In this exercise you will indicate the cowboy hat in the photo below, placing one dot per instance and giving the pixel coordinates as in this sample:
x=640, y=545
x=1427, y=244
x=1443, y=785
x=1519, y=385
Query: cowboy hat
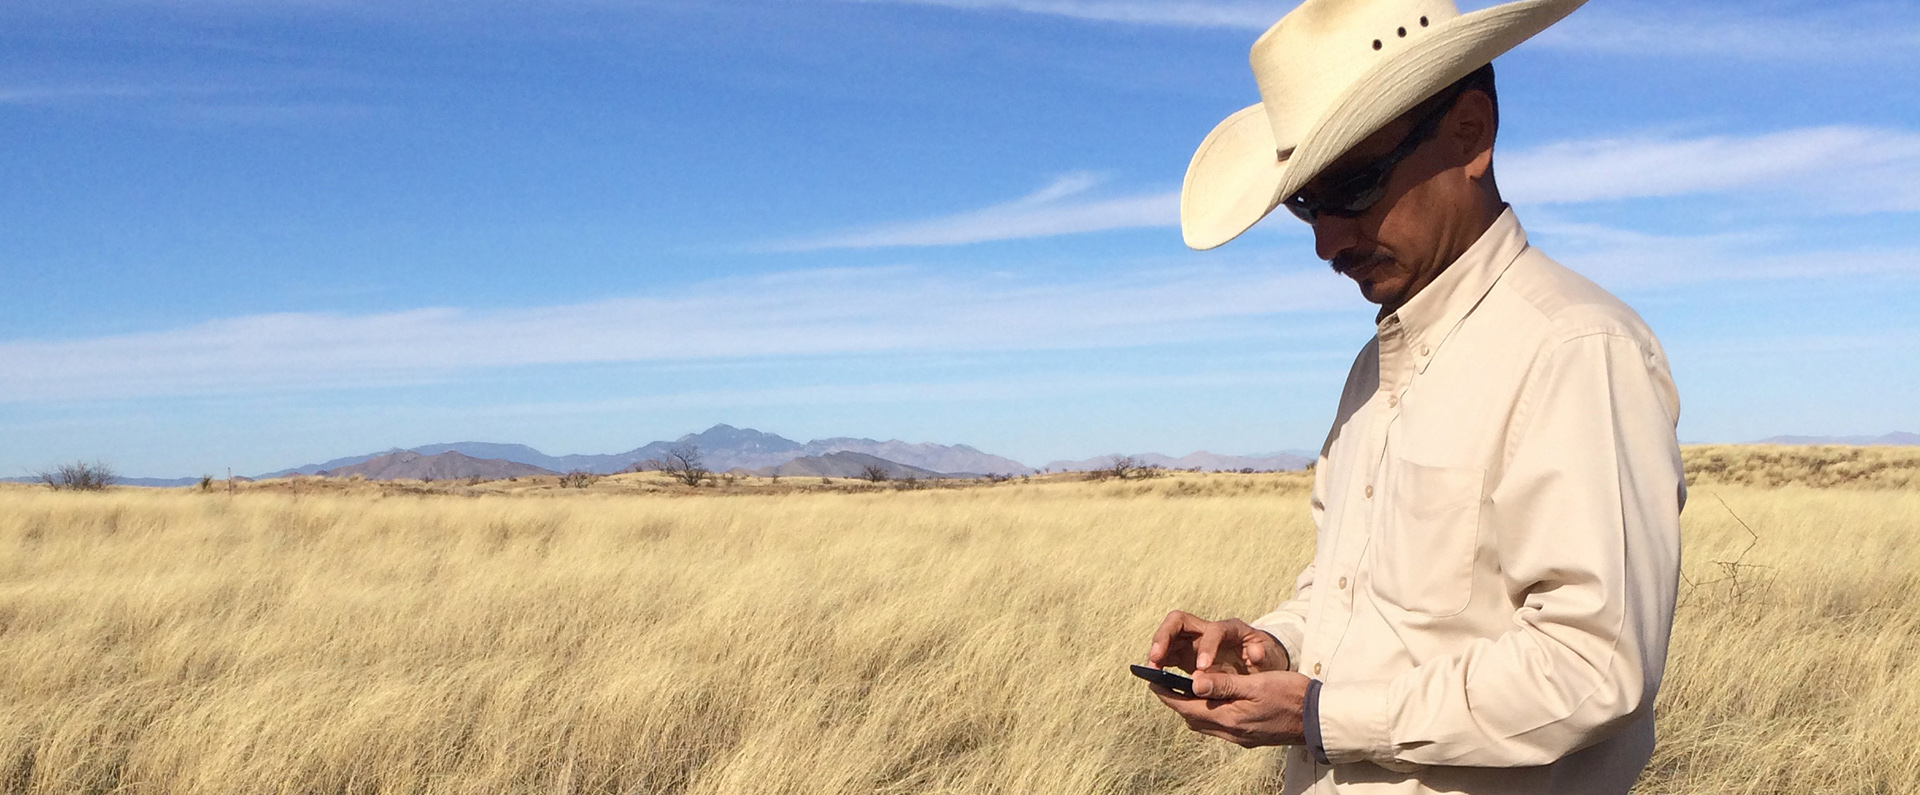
x=1331, y=73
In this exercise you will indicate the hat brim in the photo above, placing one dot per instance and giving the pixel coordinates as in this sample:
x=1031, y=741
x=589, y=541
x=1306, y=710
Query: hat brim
x=1232, y=180
x=1237, y=177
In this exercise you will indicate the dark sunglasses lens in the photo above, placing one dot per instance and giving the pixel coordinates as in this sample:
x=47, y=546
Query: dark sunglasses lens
x=1302, y=209
x=1361, y=202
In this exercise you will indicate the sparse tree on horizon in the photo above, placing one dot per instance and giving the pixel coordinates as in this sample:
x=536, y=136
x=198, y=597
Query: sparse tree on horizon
x=79, y=476
x=1125, y=467
x=683, y=463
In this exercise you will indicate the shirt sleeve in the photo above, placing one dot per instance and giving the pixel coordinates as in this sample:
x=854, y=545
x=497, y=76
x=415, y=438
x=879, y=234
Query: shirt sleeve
x=1586, y=519
x=1288, y=622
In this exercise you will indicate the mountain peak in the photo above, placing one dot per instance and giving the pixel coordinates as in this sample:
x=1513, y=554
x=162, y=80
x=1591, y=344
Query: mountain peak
x=727, y=437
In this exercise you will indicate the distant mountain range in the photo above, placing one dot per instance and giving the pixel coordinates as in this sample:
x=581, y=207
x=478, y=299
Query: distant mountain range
x=1204, y=461
x=724, y=448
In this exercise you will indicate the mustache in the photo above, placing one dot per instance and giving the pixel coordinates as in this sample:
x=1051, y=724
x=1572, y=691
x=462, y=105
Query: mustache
x=1349, y=261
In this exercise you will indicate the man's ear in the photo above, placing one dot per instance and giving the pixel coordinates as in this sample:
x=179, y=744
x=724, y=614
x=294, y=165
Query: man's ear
x=1469, y=131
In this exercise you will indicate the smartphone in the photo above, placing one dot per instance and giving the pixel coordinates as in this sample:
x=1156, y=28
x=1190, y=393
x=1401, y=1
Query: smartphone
x=1167, y=679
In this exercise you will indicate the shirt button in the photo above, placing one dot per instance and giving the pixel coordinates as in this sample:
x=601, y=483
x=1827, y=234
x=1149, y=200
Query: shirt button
x=1393, y=402
x=1343, y=583
x=1316, y=669
x=1369, y=492
x=1426, y=351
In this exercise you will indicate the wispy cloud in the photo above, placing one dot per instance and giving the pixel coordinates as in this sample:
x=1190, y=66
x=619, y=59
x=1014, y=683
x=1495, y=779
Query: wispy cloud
x=795, y=314
x=1248, y=15
x=1830, y=31
x=59, y=93
x=1826, y=169
x=219, y=104
x=1634, y=261
x=1851, y=32
x=1062, y=207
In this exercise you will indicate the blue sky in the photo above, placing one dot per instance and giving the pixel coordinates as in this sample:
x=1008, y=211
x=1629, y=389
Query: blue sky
x=260, y=234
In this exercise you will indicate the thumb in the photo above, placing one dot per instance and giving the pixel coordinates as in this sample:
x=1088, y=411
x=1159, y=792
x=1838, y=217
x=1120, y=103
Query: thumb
x=1217, y=686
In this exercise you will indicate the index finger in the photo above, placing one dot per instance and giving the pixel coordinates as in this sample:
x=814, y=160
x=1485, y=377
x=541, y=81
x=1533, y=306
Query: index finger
x=1172, y=642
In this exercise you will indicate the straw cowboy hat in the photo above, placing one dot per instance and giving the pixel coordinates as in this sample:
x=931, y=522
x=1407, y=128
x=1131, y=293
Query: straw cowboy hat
x=1331, y=73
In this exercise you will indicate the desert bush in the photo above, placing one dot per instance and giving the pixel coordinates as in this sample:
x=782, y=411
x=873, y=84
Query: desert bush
x=875, y=473
x=578, y=479
x=1126, y=467
x=78, y=476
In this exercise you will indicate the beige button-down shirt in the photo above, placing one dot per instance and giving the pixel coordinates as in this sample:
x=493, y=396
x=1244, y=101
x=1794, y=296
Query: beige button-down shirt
x=1498, y=550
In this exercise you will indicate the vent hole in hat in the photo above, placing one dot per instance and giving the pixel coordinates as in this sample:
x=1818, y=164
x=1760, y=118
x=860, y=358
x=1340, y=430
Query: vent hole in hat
x=1376, y=44
x=1423, y=22
x=1403, y=33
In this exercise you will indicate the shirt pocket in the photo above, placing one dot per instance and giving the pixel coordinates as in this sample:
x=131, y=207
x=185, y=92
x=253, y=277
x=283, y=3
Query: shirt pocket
x=1423, y=562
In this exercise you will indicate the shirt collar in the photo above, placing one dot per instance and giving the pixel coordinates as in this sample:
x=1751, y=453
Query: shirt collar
x=1431, y=315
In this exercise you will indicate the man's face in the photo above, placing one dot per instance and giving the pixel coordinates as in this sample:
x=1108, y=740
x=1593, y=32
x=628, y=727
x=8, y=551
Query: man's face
x=1421, y=225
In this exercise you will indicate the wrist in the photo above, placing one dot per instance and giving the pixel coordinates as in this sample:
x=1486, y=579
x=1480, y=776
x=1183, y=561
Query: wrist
x=1286, y=660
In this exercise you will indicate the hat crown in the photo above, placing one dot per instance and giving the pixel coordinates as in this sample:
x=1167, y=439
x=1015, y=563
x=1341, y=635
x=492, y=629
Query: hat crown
x=1307, y=59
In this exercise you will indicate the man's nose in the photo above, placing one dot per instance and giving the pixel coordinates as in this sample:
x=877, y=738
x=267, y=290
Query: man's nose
x=1333, y=235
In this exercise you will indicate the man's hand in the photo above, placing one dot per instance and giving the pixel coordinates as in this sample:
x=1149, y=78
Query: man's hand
x=1247, y=710
x=1196, y=644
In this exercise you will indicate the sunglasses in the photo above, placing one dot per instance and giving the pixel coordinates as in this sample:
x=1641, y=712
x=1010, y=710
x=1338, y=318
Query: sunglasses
x=1359, y=190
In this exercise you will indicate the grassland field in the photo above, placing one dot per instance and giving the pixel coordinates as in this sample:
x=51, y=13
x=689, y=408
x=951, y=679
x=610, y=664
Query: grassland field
x=313, y=636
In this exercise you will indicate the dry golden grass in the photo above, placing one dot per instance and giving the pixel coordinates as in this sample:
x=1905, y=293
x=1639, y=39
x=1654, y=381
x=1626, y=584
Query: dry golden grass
x=1818, y=466
x=352, y=639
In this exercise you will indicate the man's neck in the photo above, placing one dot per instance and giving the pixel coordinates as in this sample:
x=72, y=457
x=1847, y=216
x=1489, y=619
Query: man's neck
x=1462, y=236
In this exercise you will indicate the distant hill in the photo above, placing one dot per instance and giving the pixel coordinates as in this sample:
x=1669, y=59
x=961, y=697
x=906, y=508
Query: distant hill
x=1897, y=438
x=1204, y=461
x=844, y=465
x=957, y=458
x=315, y=469
x=409, y=465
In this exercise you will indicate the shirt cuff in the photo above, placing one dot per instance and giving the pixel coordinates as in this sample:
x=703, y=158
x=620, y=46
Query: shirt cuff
x=1310, y=718
x=1352, y=718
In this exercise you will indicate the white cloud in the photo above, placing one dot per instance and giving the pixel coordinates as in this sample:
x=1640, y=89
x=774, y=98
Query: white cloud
x=1632, y=261
x=1060, y=208
x=1825, y=31
x=1248, y=15
x=49, y=94
x=1819, y=169
x=1828, y=31
x=794, y=314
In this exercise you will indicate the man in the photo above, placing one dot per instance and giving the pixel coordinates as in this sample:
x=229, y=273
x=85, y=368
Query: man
x=1497, y=504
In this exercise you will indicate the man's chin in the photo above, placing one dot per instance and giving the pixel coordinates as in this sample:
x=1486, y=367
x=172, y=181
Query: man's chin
x=1378, y=291
x=1369, y=289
